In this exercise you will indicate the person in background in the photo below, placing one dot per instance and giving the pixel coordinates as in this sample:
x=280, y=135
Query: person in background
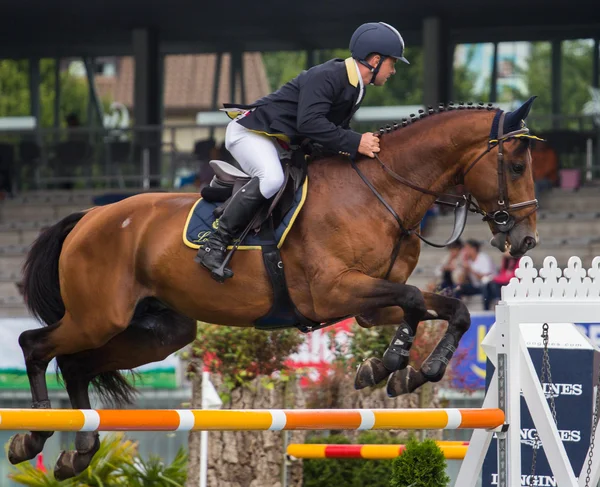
x=492, y=290
x=449, y=270
x=478, y=271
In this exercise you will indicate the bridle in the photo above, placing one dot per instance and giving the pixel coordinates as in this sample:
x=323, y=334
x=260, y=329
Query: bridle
x=502, y=218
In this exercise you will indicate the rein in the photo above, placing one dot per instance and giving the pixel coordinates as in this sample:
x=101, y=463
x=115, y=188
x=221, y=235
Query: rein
x=502, y=218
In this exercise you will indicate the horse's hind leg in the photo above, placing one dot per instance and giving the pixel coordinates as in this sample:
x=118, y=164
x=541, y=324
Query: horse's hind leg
x=38, y=351
x=86, y=443
x=433, y=369
x=39, y=347
x=150, y=338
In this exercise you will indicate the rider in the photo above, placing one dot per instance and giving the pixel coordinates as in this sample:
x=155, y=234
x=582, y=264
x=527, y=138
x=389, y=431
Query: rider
x=318, y=104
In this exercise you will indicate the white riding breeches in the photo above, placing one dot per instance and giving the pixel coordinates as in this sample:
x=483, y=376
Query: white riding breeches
x=258, y=156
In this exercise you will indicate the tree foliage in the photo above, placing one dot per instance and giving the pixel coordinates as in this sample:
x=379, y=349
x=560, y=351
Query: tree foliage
x=116, y=464
x=15, y=97
x=421, y=465
x=239, y=354
x=576, y=74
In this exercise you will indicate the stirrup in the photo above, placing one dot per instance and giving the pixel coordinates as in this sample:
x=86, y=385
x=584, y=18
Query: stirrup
x=222, y=273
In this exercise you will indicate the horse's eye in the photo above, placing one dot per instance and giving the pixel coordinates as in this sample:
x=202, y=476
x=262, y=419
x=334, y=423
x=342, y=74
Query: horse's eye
x=518, y=168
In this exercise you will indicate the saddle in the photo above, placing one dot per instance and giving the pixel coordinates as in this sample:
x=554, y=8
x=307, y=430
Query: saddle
x=226, y=182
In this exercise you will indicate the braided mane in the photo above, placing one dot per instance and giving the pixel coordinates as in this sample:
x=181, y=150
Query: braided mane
x=431, y=111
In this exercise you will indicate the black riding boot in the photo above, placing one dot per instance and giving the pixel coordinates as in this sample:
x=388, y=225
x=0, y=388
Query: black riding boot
x=234, y=220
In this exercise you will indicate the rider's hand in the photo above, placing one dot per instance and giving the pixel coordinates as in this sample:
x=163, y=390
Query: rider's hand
x=369, y=144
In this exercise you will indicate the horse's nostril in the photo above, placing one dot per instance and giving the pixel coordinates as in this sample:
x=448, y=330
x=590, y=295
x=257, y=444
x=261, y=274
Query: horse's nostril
x=529, y=243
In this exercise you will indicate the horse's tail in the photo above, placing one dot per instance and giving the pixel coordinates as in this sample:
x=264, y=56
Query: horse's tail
x=43, y=299
x=41, y=288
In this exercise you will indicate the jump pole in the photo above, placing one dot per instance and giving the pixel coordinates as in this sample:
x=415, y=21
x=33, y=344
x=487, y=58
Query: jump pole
x=246, y=420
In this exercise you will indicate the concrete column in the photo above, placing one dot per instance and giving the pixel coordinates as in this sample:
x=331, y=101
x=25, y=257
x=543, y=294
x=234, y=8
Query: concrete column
x=216, y=83
x=556, y=74
x=494, y=75
x=57, y=94
x=95, y=111
x=596, y=64
x=148, y=95
x=437, y=62
x=235, y=77
x=312, y=58
x=242, y=76
x=34, y=89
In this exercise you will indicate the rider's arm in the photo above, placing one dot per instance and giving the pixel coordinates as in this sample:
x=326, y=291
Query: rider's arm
x=317, y=92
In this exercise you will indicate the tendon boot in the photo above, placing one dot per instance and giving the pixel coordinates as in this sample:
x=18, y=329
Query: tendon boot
x=234, y=220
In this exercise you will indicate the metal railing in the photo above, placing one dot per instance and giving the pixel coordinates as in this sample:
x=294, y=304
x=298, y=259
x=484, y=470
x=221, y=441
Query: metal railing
x=141, y=157
x=160, y=156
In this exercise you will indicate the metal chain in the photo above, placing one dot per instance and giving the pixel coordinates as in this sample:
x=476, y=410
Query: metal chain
x=594, y=425
x=546, y=378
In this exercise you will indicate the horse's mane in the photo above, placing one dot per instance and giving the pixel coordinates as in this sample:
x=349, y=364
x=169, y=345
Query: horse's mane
x=442, y=108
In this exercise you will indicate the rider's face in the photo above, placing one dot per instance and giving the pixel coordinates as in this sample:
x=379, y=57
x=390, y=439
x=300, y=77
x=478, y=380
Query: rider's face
x=387, y=69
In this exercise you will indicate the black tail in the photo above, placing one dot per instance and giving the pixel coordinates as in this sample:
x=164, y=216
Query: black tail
x=41, y=290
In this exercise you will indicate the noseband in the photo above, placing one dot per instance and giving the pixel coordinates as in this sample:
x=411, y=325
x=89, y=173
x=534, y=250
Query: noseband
x=502, y=218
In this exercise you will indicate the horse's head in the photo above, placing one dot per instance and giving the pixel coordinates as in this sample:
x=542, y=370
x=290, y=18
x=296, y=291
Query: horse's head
x=502, y=182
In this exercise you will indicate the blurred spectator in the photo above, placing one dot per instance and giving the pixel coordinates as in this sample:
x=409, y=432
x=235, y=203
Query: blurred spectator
x=545, y=166
x=449, y=270
x=73, y=122
x=478, y=271
x=491, y=291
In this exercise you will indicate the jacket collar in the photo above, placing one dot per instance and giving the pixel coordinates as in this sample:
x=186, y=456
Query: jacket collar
x=352, y=73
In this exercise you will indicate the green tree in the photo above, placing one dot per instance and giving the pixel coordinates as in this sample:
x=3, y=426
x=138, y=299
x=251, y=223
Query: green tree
x=577, y=61
x=14, y=88
x=421, y=465
x=15, y=99
x=282, y=66
x=463, y=82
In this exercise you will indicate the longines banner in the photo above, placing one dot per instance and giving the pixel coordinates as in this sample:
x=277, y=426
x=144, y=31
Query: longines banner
x=158, y=375
x=572, y=367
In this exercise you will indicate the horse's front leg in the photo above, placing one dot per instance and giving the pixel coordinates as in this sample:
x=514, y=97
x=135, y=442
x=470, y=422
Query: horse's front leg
x=374, y=370
x=375, y=301
x=403, y=379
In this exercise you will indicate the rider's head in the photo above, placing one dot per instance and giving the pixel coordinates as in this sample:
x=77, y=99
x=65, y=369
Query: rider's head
x=378, y=46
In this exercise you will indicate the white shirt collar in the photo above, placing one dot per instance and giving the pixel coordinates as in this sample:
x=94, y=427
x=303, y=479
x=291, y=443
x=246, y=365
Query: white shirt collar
x=361, y=83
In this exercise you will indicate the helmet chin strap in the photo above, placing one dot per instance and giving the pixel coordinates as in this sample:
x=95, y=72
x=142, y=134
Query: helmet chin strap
x=374, y=70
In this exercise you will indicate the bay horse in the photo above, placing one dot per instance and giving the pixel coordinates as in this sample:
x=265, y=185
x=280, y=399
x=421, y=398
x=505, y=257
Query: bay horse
x=117, y=288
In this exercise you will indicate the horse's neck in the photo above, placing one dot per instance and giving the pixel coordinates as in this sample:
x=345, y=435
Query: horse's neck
x=431, y=158
x=429, y=155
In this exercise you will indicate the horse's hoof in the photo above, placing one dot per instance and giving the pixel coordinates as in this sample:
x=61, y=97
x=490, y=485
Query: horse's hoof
x=64, y=468
x=404, y=382
x=370, y=373
x=18, y=451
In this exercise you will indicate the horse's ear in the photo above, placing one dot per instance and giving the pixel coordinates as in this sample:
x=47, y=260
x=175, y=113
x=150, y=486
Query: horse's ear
x=516, y=120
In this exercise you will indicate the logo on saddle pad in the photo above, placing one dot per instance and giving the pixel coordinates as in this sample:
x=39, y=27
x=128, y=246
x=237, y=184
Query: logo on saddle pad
x=203, y=236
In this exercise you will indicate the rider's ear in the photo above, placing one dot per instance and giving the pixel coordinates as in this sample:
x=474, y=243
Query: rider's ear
x=373, y=59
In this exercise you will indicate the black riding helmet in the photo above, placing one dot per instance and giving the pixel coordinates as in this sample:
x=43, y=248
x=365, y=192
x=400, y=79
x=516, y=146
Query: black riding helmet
x=380, y=38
